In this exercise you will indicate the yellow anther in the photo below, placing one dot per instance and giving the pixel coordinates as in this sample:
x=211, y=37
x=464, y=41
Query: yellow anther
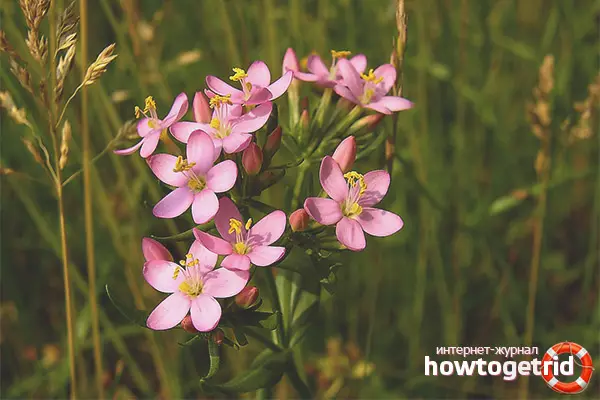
x=217, y=100
x=248, y=86
x=181, y=165
x=248, y=224
x=215, y=123
x=371, y=77
x=176, y=273
x=138, y=112
x=238, y=75
x=355, y=178
x=340, y=54
x=182, y=263
x=150, y=104
x=235, y=226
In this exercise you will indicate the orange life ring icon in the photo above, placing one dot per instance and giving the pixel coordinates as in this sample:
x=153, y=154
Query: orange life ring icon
x=586, y=363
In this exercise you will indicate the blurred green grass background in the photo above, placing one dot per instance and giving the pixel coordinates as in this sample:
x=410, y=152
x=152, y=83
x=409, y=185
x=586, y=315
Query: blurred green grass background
x=464, y=182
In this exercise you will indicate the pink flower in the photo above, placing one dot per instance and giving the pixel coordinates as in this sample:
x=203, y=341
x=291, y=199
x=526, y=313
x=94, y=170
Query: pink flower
x=151, y=128
x=194, y=286
x=228, y=128
x=329, y=77
x=244, y=245
x=350, y=207
x=195, y=178
x=370, y=90
x=256, y=85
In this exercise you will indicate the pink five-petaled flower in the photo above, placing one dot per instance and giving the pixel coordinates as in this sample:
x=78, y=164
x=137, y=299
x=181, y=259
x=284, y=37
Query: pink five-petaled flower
x=244, y=244
x=228, y=128
x=370, y=90
x=195, y=178
x=329, y=77
x=350, y=207
x=151, y=128
x=256, y=85
x=193, y=285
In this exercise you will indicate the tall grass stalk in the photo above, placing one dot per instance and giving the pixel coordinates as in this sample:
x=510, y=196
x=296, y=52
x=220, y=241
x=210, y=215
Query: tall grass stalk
x=87, y=202
x=397, y=60
x=61, y=208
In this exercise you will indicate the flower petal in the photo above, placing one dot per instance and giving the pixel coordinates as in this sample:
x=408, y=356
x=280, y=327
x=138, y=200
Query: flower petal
x=306, y=77
x=264, y=256
x=324, y=211
x=223, y=283
x=227, y=211
x=154, y=250
x=315, y=64
x=236, y=142
x=359, y=62
x=350, y=234
x=206, y=258
x=178, y=110
x=200, y=150
x=150, y=144
x=378, y=222
x=174, y=204
x=222, y=88
x=258, y=96
x=378, y=183
x=130, y=150
x=254, y=120
x=259, y=74
x=379, y=107
x=268, y=230
x=205, y=313
x=143, y=128
x=182, y=130
x=388, y=73
x=391, y=103
x=202, y=112
x=213, y=243
x=170, y=312
x=162, y=166
x=222, y=176
x=332, y=179
x=236, y=261
x=159, y=274
x=282, y=84
x=205, y=206
x=346, y=93
x=351, y=77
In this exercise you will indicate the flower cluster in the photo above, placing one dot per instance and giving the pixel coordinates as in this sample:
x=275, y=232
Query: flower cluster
x=224, y=164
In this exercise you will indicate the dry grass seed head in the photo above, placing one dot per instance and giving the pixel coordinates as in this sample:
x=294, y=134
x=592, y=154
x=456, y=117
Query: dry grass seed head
x=98, y=67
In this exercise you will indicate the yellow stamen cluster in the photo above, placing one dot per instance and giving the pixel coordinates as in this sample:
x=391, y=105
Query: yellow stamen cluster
x=182, y=165
x=340, y=54
x=355, y=209
x=189, y=261
x=371, y=77
x=235, y=226
x=150, y=105
x=190, y=290
x=355, y=178
x=238, y=75
x=215, y=123
x=217, y=100
x=241, y=248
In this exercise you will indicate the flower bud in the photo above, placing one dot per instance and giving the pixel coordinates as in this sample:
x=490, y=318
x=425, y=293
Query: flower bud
x=304, y=103
x=344, y=105
x=299, y=220
x=252, y=159
x=345, y=153
x=304, y=119
x=247, y=297
x=201, y=108
x=290, y=61
x=368, y=122
x=273, y=142
x=218, y=336
x=153, y=250
x=187, y=325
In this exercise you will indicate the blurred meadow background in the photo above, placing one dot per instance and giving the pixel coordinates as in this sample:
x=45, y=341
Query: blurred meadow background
x=495, y=173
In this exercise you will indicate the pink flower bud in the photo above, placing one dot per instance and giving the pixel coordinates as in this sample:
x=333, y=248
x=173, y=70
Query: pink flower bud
x=187, y=325
x=290, y=61
x=273, y=142
x=345, y=154
x=305, y=119
x=304, y=103
x=252, y=159
x=299, y=220
x=247, y=297
x=218, y=336
x=370, y=122
x=201, y=107
x=153, y=250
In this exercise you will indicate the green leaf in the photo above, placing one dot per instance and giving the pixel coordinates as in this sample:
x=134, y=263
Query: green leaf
x=273, y=120
x=371, y=147
x=302, y=323
x=134, y=315
x=261, y=319
x=214, y=359
x=266, y=370
x=240, y=337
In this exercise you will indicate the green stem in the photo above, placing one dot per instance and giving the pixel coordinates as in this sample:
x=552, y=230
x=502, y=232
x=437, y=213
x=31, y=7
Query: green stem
x=280, y=331
x=323, y=105
x=299, y=182
x=297, y=382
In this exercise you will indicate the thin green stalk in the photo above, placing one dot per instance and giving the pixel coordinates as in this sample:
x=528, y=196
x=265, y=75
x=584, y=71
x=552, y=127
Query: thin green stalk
x=299, y=182
x=87, y=202
x=276, y=305
x=297, y=382
x=61, y=209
